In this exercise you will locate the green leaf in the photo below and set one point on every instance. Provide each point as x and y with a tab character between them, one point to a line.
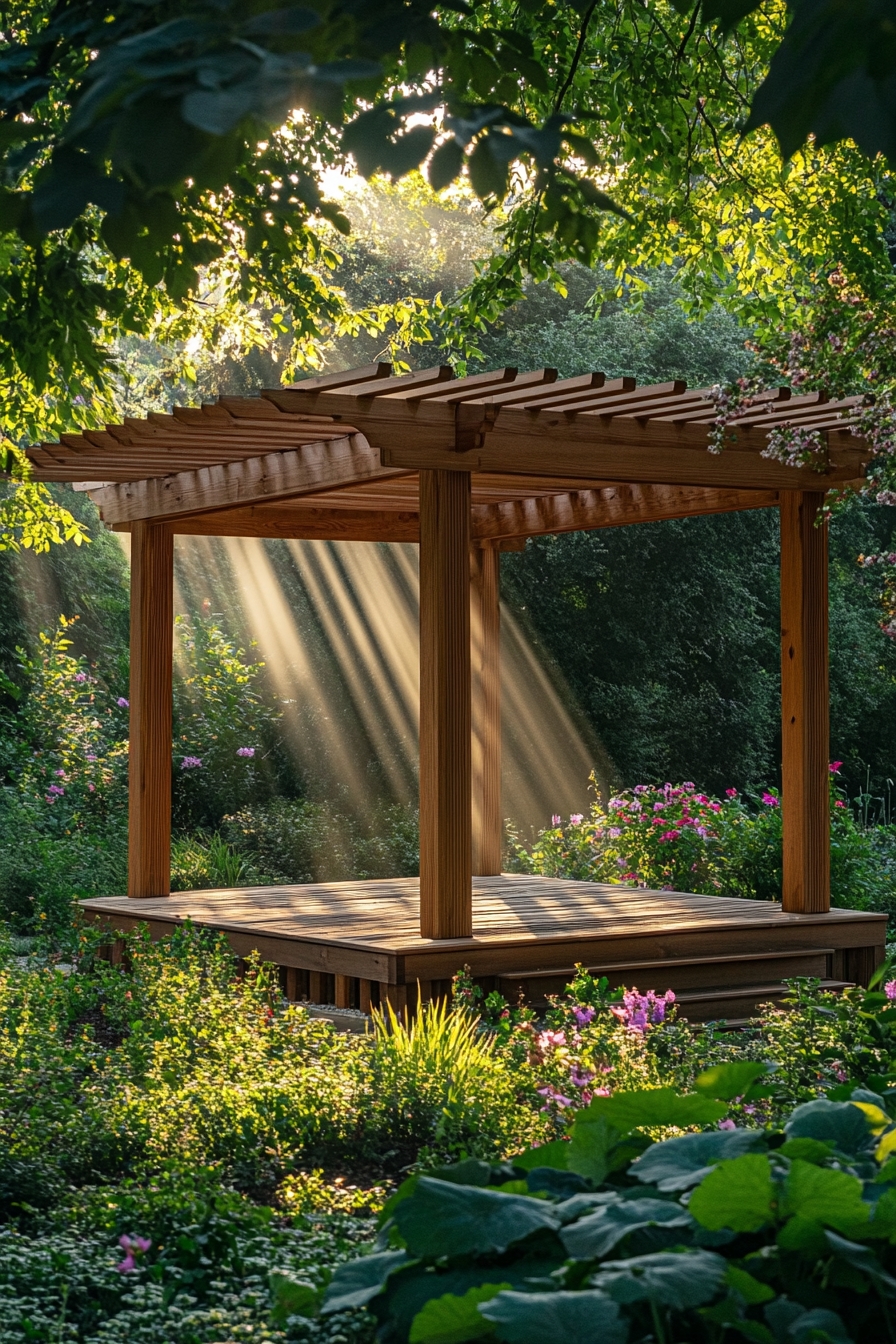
445	165
804	1235
596	1235
827	1196
553	1154
727	1081
657	1107
839	1122
292	1297
450	1319
862	1258
441	1218
820	1324
737	1194
679	1163
751	1290
355	1283
588	1152
809	1150
678	1279
586	1317
488	174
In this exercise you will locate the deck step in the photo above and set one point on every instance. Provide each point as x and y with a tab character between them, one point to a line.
678	973
711	1005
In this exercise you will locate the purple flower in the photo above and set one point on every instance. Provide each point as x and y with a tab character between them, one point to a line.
190	763
580	1077
727	1124
552	1095
122	703
245	751
585	1015
55	789
890	989
132	1247
80	676
770	800
614	832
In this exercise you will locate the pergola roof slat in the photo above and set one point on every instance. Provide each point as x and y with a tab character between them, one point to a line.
526	437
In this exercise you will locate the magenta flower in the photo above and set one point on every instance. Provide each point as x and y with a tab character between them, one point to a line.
669	835
80	676
191	763
890	989
834	767
122	703
770	800
132	1247
552	1095
731	793
245	751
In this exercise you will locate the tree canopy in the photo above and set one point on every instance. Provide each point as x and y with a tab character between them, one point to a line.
168	174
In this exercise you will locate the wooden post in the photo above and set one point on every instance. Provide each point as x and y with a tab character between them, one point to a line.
149	765
446	861
485	632
806	887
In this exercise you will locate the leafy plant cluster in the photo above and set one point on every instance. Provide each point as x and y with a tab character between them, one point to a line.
674	837
774	1235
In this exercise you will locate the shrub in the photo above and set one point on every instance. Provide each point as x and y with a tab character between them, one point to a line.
298	840
782	1236
673	837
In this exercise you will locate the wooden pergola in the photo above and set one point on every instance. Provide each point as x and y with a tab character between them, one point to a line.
467	468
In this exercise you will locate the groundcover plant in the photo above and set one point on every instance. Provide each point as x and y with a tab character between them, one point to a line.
780	1236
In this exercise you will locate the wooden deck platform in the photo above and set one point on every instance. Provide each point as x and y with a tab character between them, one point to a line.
357	943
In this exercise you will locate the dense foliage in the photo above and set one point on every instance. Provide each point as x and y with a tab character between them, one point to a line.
779	1235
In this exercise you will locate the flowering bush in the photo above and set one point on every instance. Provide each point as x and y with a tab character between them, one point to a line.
675	838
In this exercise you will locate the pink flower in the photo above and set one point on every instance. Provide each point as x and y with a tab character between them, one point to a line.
556	819
122	703
727	1124
550	1039
132	1247
669	835
245	751
770	800
576	819
890	989
731	793
60	774
834	767
80	676
91	788
190	763
838	802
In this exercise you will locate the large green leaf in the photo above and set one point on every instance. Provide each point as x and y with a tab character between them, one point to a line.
596	1235
291	1297
441	1218
355	1283
651	1109
682	1162
588	1154
826	1196
678	1279
837	1121
587	1317
450	1319
819	1324
553	1154
737	1194
862	1258
727	1081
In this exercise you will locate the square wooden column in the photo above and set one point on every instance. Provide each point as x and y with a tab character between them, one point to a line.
149	765
485	630
805	730
446	865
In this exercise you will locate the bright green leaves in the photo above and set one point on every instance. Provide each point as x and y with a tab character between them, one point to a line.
596	1147
442	1218
562	1318
727	1081
737	1194
291	1297
453	1319
679	1279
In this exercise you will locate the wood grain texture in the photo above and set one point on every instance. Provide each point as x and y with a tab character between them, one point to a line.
445	730
805	704
280	475
485	641
307	523
149	762
521	925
